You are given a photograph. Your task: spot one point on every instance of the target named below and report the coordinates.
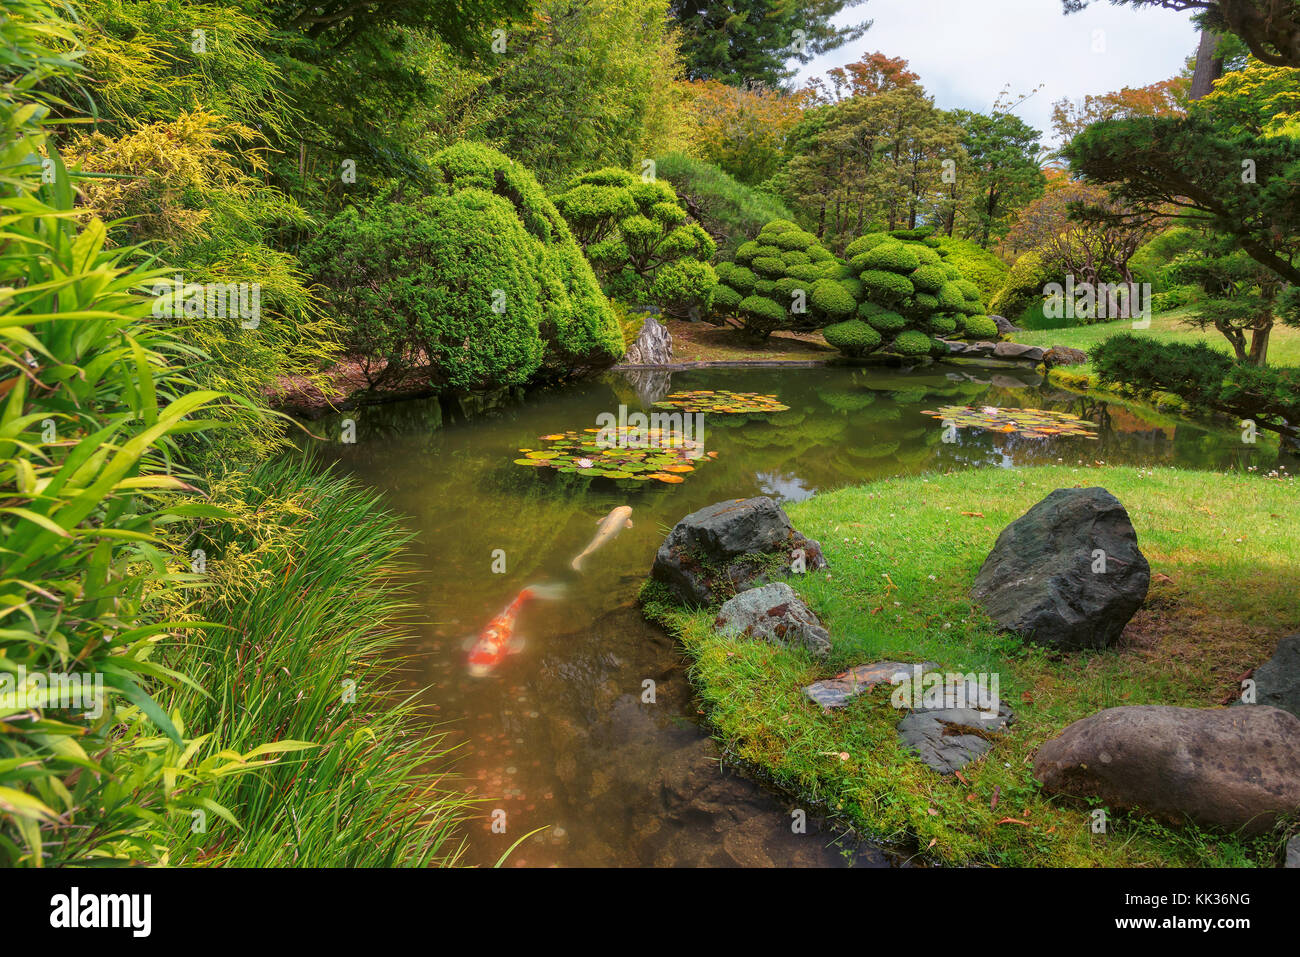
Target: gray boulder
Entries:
(844, 687)
(1293, 852)
(776, 614)
(1234, 768)
(1067, 573)
(653, 346)
(1277, 681)
(720, 550)
(1017, 352)
(1005, 326)
(978, 349)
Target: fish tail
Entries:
(577, 562)
(548, 592)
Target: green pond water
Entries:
(559, 735)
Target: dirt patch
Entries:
(346, 387)
(703, 342)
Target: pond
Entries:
(560, 735)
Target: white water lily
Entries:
(990, 410)
(585, 463)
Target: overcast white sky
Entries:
(966, 51)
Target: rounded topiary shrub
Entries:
(852, 337)
(913, 342)
(979, 327)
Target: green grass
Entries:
(1283, 348)
(1226, 585)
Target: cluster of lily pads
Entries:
(638, 455)
(1034, 423)
(721, 401)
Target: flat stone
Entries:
(948, 739)
(979, 348)
(776, 614)
(839, 691)
(1232, 768)
(1018, 351)
(1293, 852)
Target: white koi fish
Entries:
(610, 525)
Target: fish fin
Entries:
(628, 523)
(515, 645)
(549, 592)
(577, 564)
(468, 643)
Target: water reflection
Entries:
(561, 736)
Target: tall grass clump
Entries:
(728, 209)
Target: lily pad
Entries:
(1031, 423)
(721, 402)
(622, 455)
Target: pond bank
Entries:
(1224, 585)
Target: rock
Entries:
(1017, 352)
(653, 346)
(838, 691)
(1064, 356)
(1235, 768)
(1005, 326)
(1039, 580)
(776, 614)
(979, 349)
(947, 739)
(1293, 852)
(722, 549)
(954, 346)
(1277, 681)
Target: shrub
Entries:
(683, 286)
(912, 342)
(724, 297)
(979, 327)
(768, 266)
(1023, 287)
(896, 257)
(864, 243)
(729, 210)
(942, 325)
(886, 320)
(1175, 297)
(928, 279)
(830, 298)
(631, 229)
(973, 262)
(762, 315)
(853, 337)
(886, 287)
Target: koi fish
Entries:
(498, 639)
(610, 525)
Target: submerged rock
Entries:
(1067, 573)
(776, 614)
(1235, 768)
(838, 691)
(722, 549)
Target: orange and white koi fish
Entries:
(498, 639)
(610, 525)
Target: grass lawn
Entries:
(1283, 346)
(1225, 565)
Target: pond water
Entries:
(559, 736)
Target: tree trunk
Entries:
(1208, 67)
(1259, 345)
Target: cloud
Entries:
(966, 51)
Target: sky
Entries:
(966, 51)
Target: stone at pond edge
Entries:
(1039, 582)
(776, 614)
(1005, 326)
(947, 739)
(653, 345)
(1017, 352)
(722, 549)
(1235, 768)
(1293, 852)
(1064, 356)
(838, 691)
(1277, 681)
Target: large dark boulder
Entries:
(1067, 573)
(1277, 681)
(1064, 356)
(722, 549)
(1235, 768)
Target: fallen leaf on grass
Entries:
(1012, 820)
(996, 791)
(973, 514)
